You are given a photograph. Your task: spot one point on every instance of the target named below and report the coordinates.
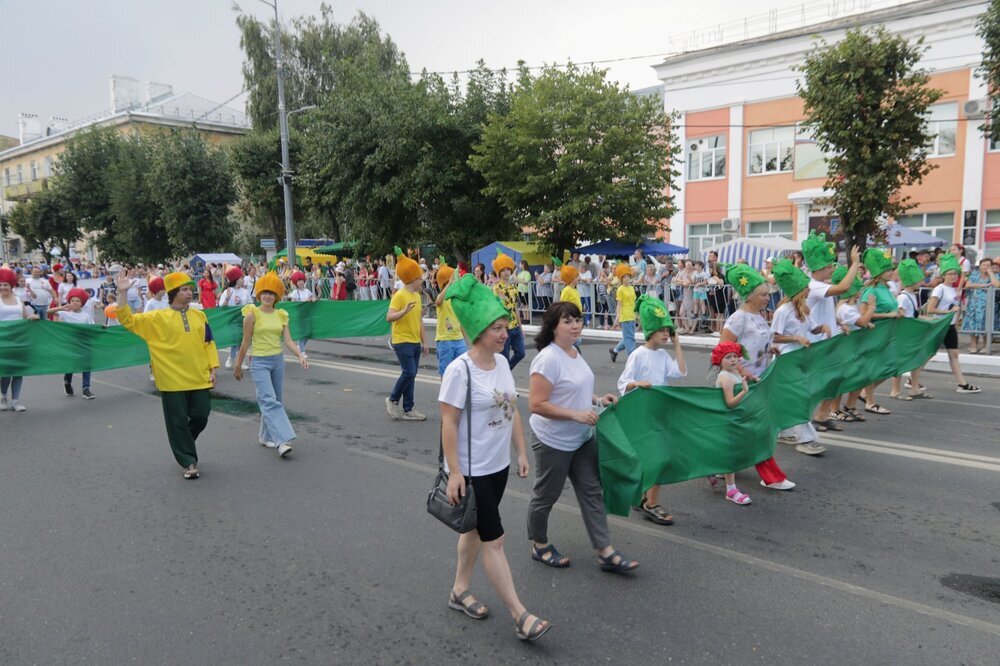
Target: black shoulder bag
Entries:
(460, 517)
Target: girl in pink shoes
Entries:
(726, 356)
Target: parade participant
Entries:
(407, 337)
(158, 296)
(791, 329)
(206, 290)
(563, 417)
(75, 312)
(235, 295)
(821, 259)
(911, 276)
(478, 395)
(945, 300)
(879, 265)
(300, 294)
(524, 291)
(849, 318)
(21, 290)
(68, 283)
(749, 328)
(651, 365)
(266, 328)
(624, 311)
(184, 360)
(43, 292)
(448, 339)
(12, 309)
(513, 349)
(727, 356)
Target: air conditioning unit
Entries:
(731, 225)
(976, 108)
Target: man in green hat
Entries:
(651, 365)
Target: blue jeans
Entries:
(135, 304)
(14, 384)
(408, 354)
(513, 349)
(268, 374)
(628, 338)
(448, 351)
(41, 310)
(302, 344)
(585, 302)
(68, 379)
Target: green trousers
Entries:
(186, 415)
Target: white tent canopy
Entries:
(754, 250)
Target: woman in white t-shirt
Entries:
(12, 308)
(68, 283)
(563, 417)
(944, 300)
(487, 406)
(234, 295)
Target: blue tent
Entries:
(611, 248)
(897, 235)
(516, 250)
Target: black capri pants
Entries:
(950, 339)
(489, 491)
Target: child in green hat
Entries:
(651, 365)
(850, 319)
(911, 276)
(944, 301)
(791, 328)
(879, 264)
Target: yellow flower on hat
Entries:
(887, 254)
(660, 312)
(743, 281)
(832, 251)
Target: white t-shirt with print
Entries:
(494, 398)
(84, 316)
(822, 308)
(907, 303)
(235, 297)
(300, 295)
(649, 365)
(156, 304)
(947, 297)
(752, 331)
(572, 388)
(41, 288)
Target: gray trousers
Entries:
(552, 466)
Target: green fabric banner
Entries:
(671, 434)
(46, 348)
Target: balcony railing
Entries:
(24, 190)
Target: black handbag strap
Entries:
(468, 418)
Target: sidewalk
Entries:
(976, 365)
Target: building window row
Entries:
(772, 229)
(992, 228)
(941, 225)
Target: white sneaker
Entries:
(270, 445)
(3, 404)
(810, 448)
(18, 407)
(780, 485)
(229, 363)
(284, 449)
(151, 377)
(246, 366)
(413, 415)
(392, 408)
(791, 441)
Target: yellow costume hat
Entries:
(176, 281)
(444, 274)
(568, 273)
(407, 270)
(622, 269)
(269, 282)
(501, 262)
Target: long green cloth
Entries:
(669, 434)
(45, 347)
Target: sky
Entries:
(59, 54)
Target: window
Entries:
(771, 150)
(994, 146)
(34, 170)
(941, 225)
(942, 129)
(706, 157)
(20, 174)
(700, 237)
(6, 177)
(774, 229)
(991, 248)
(48, 167)
(809, 160)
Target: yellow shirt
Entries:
(508, 296)
(571, 295)
(180, 343)
(407, 328)
(626, 298)
(267, 328)
(448, 327)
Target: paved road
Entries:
(108, 556)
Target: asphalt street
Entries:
(886, 552)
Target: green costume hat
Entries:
(818, 252)
(475, 305)
(948, 262)
(790, 278)
(653, 314)
(744, 279)
(910, 272)
(877, 261)
(839, 274)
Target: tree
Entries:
(866, 102)
(44, 222)
(84, 177)
(989, 30)
(135, 231)
(578, 158)
(256, 163)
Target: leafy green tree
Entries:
(193, 185)
(989, 30)
(256, 163)
(866, 102)
(135, 231)
(83, 175)
(578, 158)
(44, 222)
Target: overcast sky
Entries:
(59, 54)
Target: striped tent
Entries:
(754, 250)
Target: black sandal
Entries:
(456, 602)
(555, 558)
(656, 514)
(535, 631)
(621, 566)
